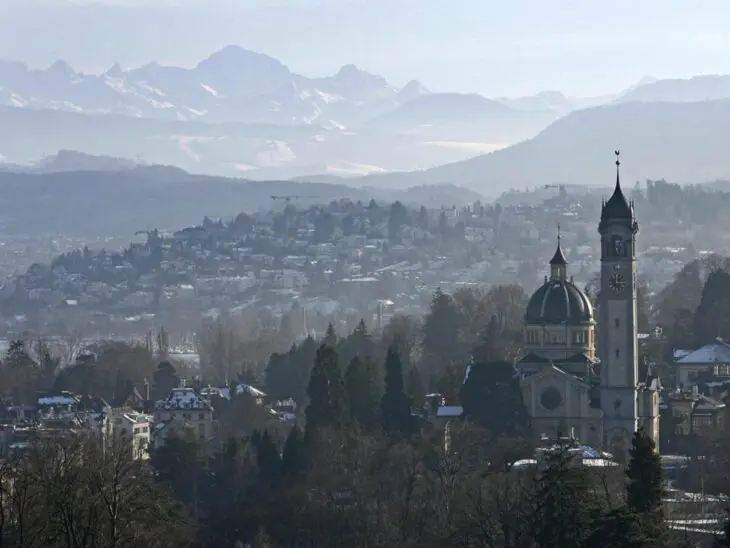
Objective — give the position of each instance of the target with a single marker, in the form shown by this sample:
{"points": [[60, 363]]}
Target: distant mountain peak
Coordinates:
{"points": [[233, 56], [412, 89], [61, 67], [115, 71]]}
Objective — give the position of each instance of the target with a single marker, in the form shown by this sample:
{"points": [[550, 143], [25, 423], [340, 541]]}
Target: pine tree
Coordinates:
{"points": [[564, 515], [414, 386], [491, 396], [395, 410], [363, 393], [267, 456], [645, 488], [441, 333], [330, 336], [293, 457], [328, 405]]}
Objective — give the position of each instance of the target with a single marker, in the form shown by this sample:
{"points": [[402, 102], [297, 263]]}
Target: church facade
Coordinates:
{"points": [[580, 373]]}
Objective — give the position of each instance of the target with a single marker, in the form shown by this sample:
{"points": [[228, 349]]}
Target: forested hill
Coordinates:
{"points": [[118, 203]]}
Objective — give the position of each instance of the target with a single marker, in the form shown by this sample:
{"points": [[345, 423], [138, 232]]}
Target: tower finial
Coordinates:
{"points": [[617, 152], [558, 234]]}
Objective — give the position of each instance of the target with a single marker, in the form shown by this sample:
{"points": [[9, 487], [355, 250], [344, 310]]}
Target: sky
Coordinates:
{"points": [[514, 47]]}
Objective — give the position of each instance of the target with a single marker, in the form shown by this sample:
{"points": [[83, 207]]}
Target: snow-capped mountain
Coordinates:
{"points": [[244, 113], [232, 85]]}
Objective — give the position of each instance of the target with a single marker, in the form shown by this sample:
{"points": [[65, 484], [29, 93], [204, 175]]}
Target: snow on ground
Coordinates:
{"points": [[328, 97], [209, 89], [160, 105], [117, 84], [145, 85]]}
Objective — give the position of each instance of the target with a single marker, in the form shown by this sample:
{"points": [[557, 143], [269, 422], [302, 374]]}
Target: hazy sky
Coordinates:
{"points": [[510, 47]]}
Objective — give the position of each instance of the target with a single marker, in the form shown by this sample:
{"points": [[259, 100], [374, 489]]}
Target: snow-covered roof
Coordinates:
{"points": [[182, 398], [57, 400], [708, 354], [225, 392], [450, 411]]}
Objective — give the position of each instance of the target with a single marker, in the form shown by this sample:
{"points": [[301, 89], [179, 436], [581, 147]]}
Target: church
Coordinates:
{"points": [[580, 373]]}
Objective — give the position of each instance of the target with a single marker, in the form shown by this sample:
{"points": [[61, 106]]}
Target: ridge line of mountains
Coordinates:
{"points": [[244, 114]]}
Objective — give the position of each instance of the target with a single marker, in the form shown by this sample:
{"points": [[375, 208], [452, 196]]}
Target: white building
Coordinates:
{"points": [[134, 428]]}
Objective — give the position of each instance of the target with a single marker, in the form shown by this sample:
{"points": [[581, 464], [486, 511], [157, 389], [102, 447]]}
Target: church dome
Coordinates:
{"points": [[559, 302]]}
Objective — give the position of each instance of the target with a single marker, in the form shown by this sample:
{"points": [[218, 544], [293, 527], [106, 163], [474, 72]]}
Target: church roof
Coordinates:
{"points": [[617, 206], [559, 302], [559, 257]]}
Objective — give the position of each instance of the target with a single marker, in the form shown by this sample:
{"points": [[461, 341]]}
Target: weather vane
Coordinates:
{"points": [[617, 152]]}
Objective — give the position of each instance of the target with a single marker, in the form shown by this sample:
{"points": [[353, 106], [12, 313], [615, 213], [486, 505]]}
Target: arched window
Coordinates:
{"points": [[617, 245]]}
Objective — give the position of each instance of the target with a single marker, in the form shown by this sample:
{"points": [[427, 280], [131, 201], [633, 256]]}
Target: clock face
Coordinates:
{"points": [[617, 283]]}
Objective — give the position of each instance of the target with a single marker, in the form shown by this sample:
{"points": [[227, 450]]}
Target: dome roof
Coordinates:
{"points": [[559, 302]]}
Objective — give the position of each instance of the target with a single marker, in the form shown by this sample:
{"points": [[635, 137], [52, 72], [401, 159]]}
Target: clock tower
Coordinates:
{"points": [[617, 329]]}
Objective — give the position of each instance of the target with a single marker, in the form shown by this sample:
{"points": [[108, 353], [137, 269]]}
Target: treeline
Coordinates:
{"points": [[365, 471], [694, 309]]}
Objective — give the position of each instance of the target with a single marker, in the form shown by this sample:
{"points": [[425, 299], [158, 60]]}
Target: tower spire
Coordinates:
{"points": [[558, 263], [617, 152]]}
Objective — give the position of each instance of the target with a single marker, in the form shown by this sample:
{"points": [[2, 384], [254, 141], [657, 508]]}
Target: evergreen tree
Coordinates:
{"points": [[363, 394], [395, 407], [491, 396], [564, 506], [414, 386], [359, 344], [328, 405], [293, 457], [712, 318], [164, 380], [441, 341], [330, 336], [645, 488], [17, 356], [267, 456]]}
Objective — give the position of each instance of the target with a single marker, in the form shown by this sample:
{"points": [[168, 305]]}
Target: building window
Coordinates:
{"points": [[618, 353], [201, 416], [201, 430], [616, 323]]}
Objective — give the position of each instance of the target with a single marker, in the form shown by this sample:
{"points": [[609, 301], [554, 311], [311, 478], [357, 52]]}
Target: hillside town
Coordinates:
{"points": [[346, 259]]}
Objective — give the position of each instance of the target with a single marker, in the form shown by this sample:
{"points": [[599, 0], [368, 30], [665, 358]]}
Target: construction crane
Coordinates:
{"points": [[289, 198]]}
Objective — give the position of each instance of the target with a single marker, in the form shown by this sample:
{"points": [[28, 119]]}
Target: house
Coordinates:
{"points": [[713, 358], [133, 428], [183, 413]]}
